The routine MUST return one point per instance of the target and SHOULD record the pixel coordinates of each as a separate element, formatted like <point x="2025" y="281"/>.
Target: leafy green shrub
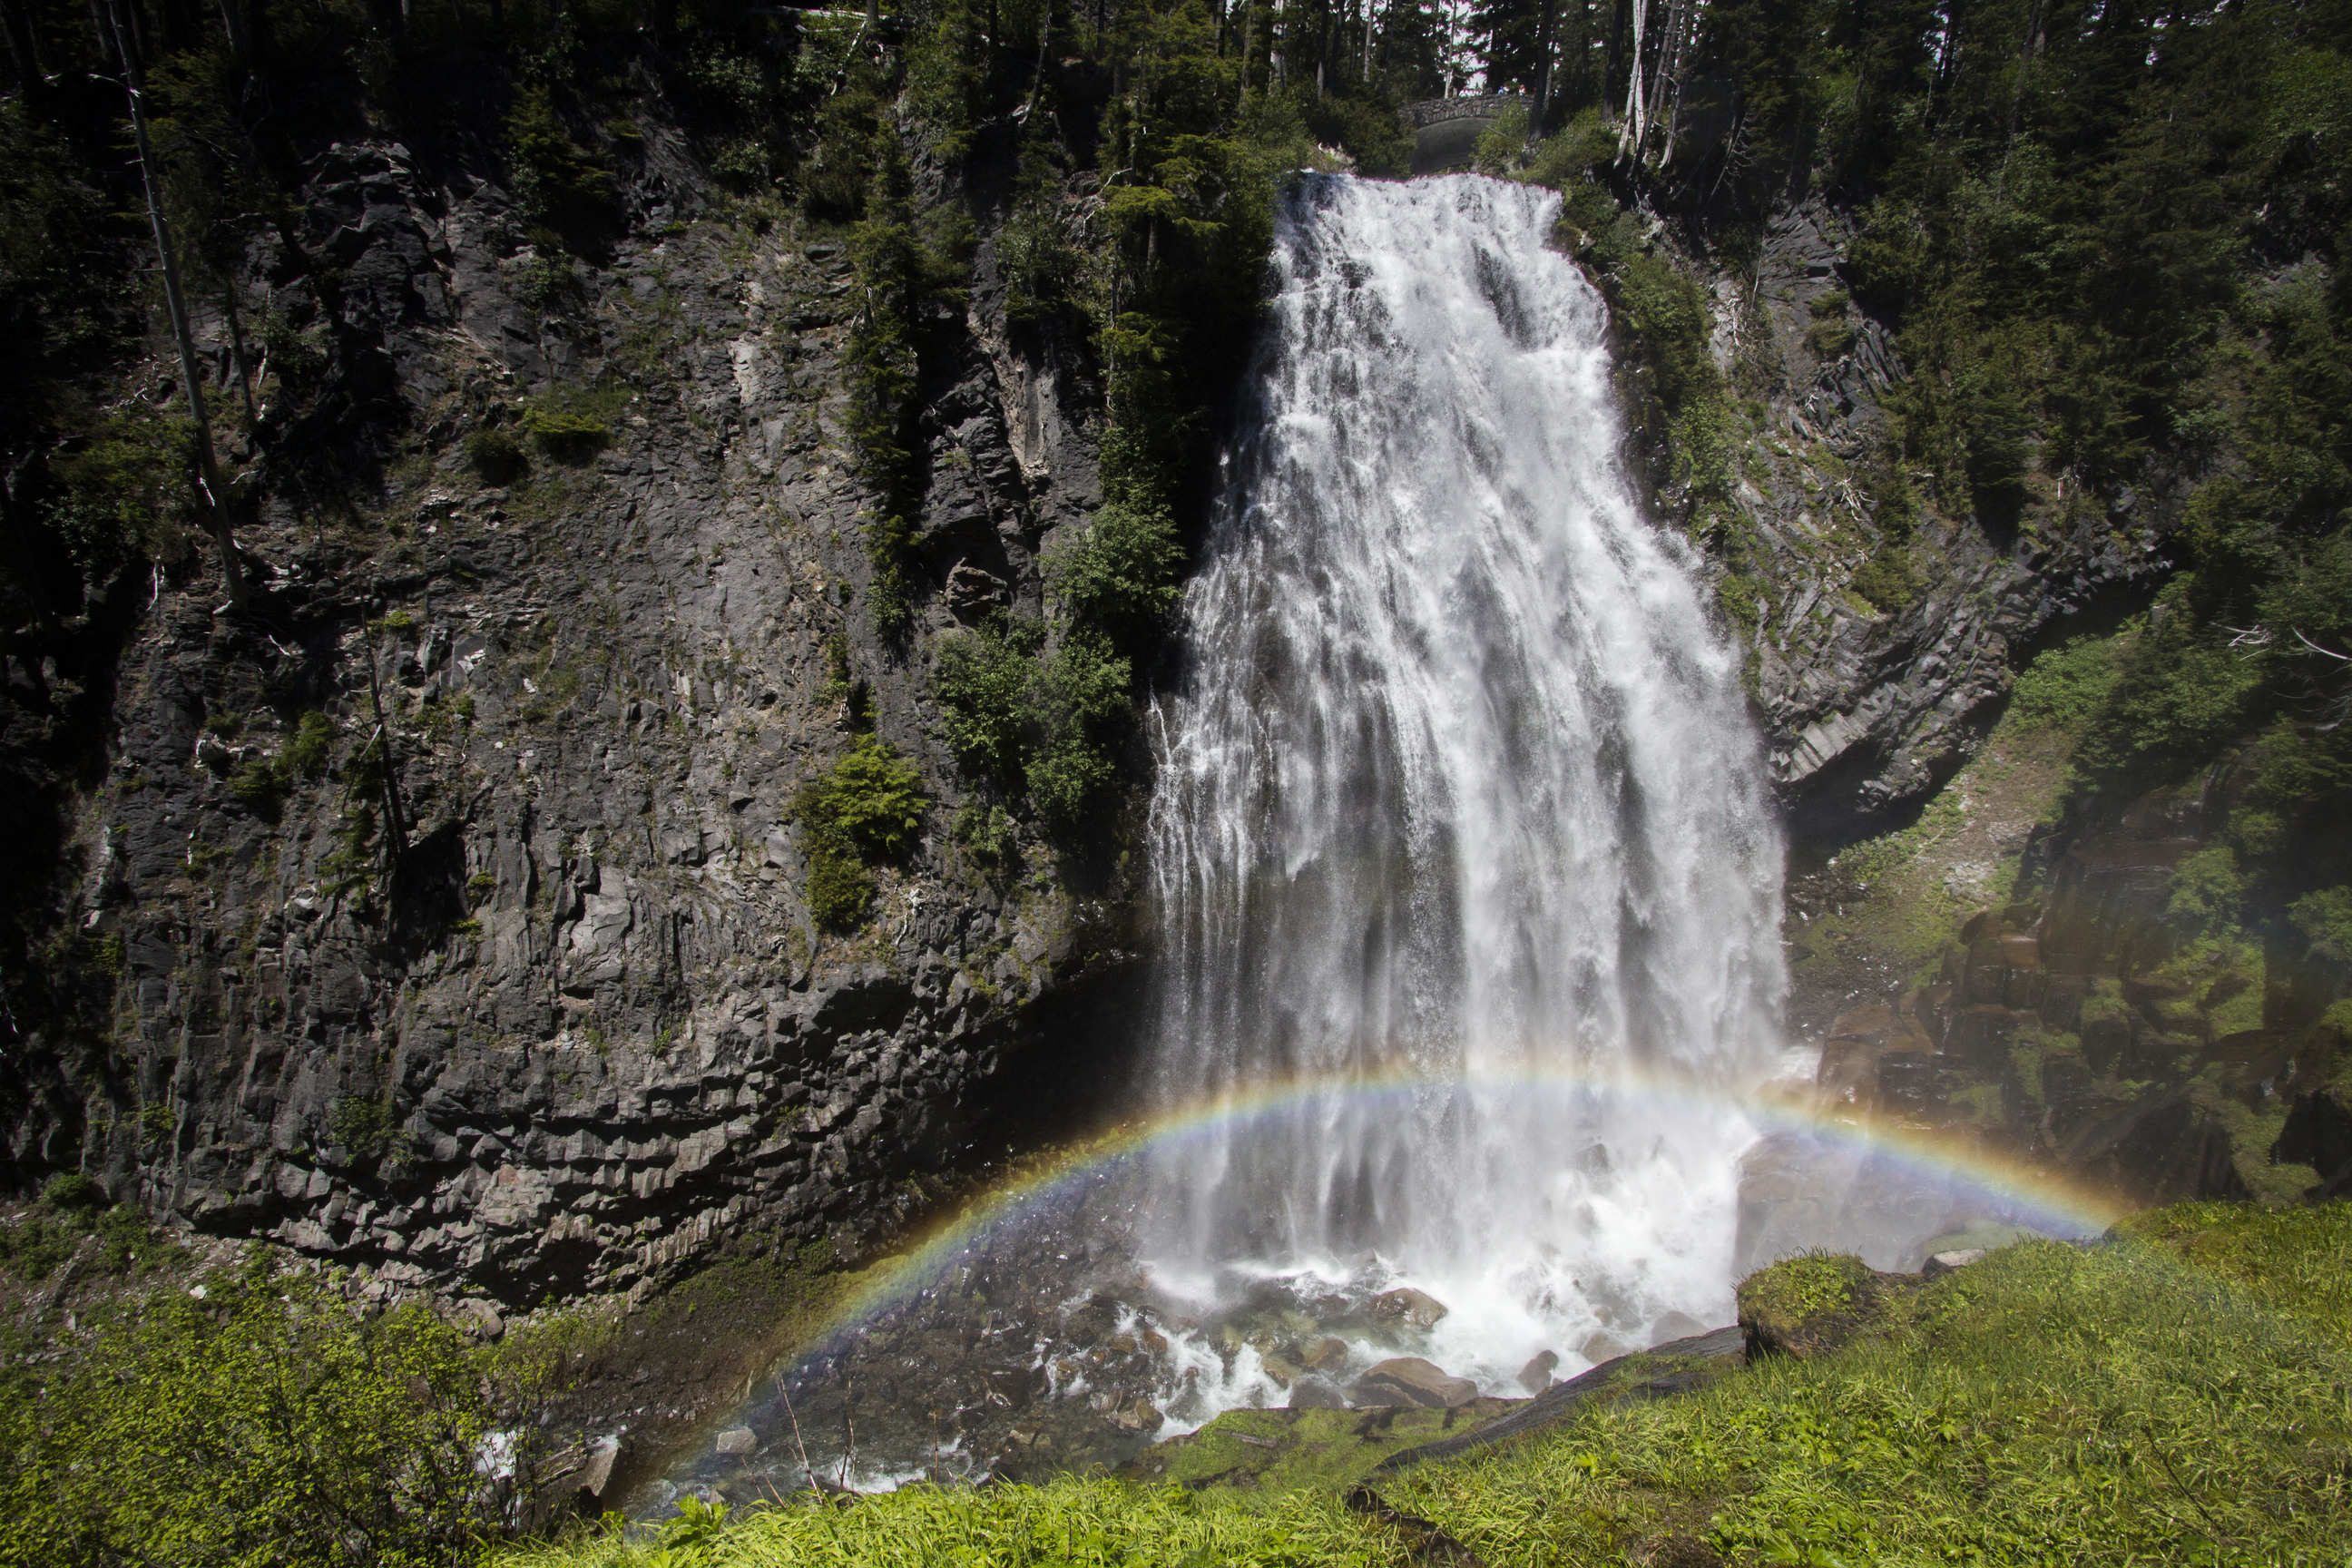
<point x="267" y="1423"/>
<point x="2325" y="919"/>
<point x="839" y="888"/>
<point x="567" y="437"/>
<point x="2206" y="891"/>
<point x="257" y="782"/>
<point x="72" y="1208"/>
<point x="1034" y="255"/>
<point x="2064" y="686"/>
<point x="128" y="482"/>
<point x="984" y="681"/>
<point x="837" y="178"/>
<point x="1832" y="338"/>
<point x="70" y="1191"/>
<point x="1048" y="725"/>
<point x="986" y="830"/>
<point x="1365" y="128"/>
<point x="548" y="278"/>
<point x="1503" y="145"/>
<point x="2179" y="696"/>
<point x="496" y="455"/>
<point x="1890" y="579"/>
<point x="872" y="798"/>
<point x="296" y="356"/>
<point x="313" y="745"/>
<point x="560" y="184"/>
<point x="868" y="805"/>
<point x="1081" y="695"/>
<point x="262" y="782"/>
<point x="1123" y="573"/>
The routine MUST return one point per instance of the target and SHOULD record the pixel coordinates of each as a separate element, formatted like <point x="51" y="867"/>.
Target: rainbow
<point x="2059" y="1208"/>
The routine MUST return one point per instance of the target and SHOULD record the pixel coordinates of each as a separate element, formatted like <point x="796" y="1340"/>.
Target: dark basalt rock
<point x="581" y="1027"/>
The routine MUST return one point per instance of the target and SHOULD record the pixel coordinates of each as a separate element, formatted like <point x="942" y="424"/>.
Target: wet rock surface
<point x="1041" y="1345"/>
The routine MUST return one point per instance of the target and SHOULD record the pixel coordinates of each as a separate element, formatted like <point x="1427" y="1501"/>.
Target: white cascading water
<point x="1458" y="806"/>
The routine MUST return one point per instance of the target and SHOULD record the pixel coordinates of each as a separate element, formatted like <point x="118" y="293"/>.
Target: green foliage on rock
<point x="866" y="808"/>
<point x="1049" y="725"/>
<point x="2324" y="918"/>
<point x="268" y="1422"/>
<point x="2063" y="687"/>
<point x="568" y="438"/>
<point x="905" y="273"/>
<point x="128" y="482"/>
<point x="1123" y="574"/>
<point x="73" y="1209"/>
<point x="873" y="797"/>
<point x="495" y="455"/>
<point x="561" y="186"/>
<point x="1809" y="1305"/>
<point x="984" y="681"/>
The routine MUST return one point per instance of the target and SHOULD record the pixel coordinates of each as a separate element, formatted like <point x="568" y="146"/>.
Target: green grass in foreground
<point x="2182" y="1395"/>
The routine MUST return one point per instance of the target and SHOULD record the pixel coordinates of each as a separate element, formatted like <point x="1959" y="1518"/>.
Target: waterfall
<point x="1459" y="814"/>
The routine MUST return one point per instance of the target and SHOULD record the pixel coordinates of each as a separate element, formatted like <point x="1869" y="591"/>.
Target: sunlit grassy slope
<point x="2180" y="1393"/>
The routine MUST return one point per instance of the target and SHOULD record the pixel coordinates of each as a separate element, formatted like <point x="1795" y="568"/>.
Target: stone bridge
<point x="1446" y="131"/>
<point x="1431" y="112"/>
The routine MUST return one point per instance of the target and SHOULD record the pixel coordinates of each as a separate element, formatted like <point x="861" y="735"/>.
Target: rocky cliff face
<point x="507" y="978"/>
<point x="1869" y="707"/>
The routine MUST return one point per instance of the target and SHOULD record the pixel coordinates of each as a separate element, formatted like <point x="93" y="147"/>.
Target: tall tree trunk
<point x="1249" y="18"/>
<point x="1037" y="82"/>
<point x="1539" y="113"/>
<point x="23" y="56"/>
<point x="1629" y="137"/>
<point x="1613" y="55"/>
<point x="237" y="356"/>
<point x="208" y="469"/>
<point x="232" y="24"/>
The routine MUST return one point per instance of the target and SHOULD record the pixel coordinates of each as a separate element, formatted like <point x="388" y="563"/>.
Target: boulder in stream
<point x="1409" y="1380"/>
<point x="1417" y="1308"/>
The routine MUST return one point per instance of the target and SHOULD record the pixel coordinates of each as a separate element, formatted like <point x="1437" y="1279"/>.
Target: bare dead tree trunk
<point x="1541" y="110"/>
<point x="240" y="592"/>
<point x="232" y="24"/>
<point x="1629" y="138"/>
<point x="1665" y="84"/>
<point x="238" y="357"/>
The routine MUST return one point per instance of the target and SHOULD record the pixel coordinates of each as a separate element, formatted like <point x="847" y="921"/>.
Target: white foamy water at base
<point x="1457" y="789"/>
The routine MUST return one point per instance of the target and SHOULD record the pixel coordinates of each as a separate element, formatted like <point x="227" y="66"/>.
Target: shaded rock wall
<point x="1867" y="711"/>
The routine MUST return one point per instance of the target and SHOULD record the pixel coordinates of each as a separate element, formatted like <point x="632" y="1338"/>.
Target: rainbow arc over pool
<point x="1971" y="1180"/>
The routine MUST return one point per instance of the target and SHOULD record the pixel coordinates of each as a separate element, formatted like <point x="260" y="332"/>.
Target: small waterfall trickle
<point x="1458" y="794"/>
